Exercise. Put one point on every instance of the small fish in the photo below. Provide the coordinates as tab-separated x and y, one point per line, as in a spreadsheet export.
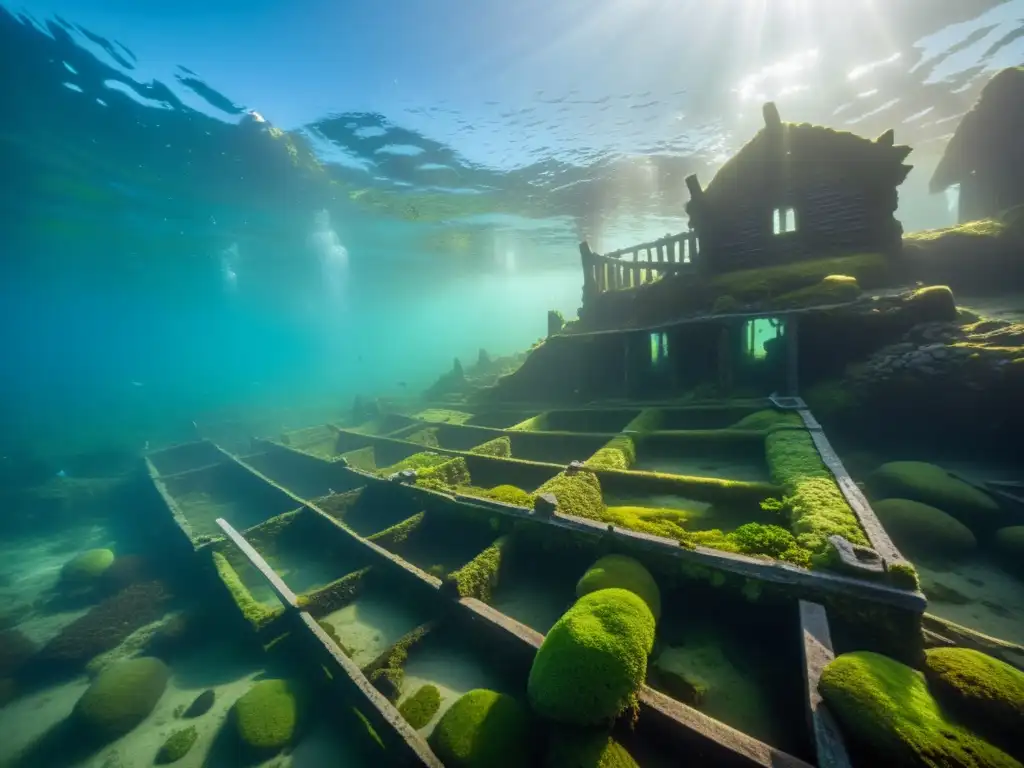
62	473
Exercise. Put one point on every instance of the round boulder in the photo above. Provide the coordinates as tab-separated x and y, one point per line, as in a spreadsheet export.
625	573
593	660
483	729
85	568
924	531
932	485
266	716
121	697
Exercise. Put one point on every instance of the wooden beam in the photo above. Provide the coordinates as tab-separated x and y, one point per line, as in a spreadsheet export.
817	653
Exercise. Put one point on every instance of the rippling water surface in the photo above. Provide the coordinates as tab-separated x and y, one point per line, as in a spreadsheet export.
373	188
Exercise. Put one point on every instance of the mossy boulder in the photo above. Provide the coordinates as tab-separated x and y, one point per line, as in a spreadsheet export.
586	749
625	573
484	729
121	697
86	568
932	485
419	708
983	693
593	661
266	716
177	746
889	715
1009	547
832	289
924	531
499	446
510	494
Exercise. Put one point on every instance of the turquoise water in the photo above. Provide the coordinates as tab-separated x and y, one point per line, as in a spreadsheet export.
227	219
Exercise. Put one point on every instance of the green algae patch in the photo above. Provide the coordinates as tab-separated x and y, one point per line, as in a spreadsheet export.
121	697
418	461
618	453
887	709
479	577
816	505
924	531
361	458
399	532
768	418
333	596
578	494
832	289
266	716
772	541
983	693
255	612
586	749
593	661
445	476
177	746
648	420
509	494
425	437
625	573
86	567
932	485
484	729
419	708
443	416
387	671
538	423
499	446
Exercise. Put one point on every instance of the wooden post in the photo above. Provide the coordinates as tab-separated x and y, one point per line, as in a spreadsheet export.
590	289
792	356
625	365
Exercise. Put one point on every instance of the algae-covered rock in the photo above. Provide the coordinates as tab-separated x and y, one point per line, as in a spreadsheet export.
177	746
121	697
1009	547
266	716
932	485
983	693
625	573
499	446
923	531
419	708
887	711
593	660
87	567
586	749
484	729
510	494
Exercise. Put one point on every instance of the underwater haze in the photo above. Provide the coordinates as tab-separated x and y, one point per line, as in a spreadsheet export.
214	206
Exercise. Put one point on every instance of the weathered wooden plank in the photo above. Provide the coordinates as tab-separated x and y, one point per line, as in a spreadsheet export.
816	649
945	632
280	589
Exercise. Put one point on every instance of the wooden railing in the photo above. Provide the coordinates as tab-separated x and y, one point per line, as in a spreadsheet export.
638	264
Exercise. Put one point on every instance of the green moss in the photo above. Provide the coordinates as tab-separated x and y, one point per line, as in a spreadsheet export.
932	485
537	423
419	708
334	596
904	576
648	420
418	461
509	494
361	458
578	494
443	416
484	729
266	716
624	573
121	697
479	577
983	693
425	437
770	541
618	453
833	289
982	229
256	613
752	285
924	531
586	749
445	476
886	708
817	507
86	567
499	446
593	661
386	671
399	532
766	419
177	745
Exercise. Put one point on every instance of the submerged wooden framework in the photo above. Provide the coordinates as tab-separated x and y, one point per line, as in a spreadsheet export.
664	718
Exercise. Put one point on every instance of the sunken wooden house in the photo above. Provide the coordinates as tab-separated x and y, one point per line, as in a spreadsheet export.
985	156
798	192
